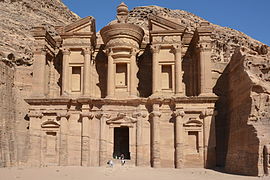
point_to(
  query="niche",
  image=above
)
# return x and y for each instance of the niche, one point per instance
(166, 77)
(121, 75)
(76, 79)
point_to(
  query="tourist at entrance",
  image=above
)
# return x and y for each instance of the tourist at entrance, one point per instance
(122, 159)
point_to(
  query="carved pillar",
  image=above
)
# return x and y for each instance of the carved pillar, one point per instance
(204, 46)
(86, 116)
(179, 141)
(155, 136)
(139, 137)
(133, 74)
(110, 75)
(178, 70)
(155, 69)
(65, 72)
(103, 138)
(86, 72)
(209, 140)
(63, 154)
(34, 159)
(39, 72)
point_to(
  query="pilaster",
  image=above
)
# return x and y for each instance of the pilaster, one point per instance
(34, 159)
(64, 131)
(177, 49)
(110, 75)
(39, 72)
(86, 116)
(155, 49)
(179, 141)
(65, 72)
(155, 136)
(133, 73)
(103, 138)
(86, 72)
(140, 116)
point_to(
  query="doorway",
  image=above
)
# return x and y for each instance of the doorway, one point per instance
(121, 142)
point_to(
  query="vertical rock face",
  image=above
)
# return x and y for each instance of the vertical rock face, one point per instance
(7, 116)
(17, 18)
(241, 81)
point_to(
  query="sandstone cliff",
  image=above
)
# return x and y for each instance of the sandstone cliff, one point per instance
(241, 78)
(18, 17)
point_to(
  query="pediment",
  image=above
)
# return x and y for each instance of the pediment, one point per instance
(193, 123)
(122, 119)
(161, 24)
(50, 124)
(82, 26)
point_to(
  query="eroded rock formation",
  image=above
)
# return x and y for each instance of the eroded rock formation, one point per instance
(240, 67)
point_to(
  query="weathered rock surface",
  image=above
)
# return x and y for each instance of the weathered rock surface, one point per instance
(18, 17)
(242, 80)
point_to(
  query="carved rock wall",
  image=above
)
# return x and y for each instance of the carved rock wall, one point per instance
(7, 116)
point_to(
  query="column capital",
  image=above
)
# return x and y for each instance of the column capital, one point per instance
(35, 114)
(65, 51)
(179, 113)
(86, 51)
(176, 48)
(155, 114)
(134, 51)
(103, 114)
(108, 51)
(208, 112)
(139, 114)
(87, 114)
(155, 48)
(204, 46)
(63, 114)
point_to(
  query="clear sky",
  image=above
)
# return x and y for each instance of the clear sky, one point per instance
(249, 16)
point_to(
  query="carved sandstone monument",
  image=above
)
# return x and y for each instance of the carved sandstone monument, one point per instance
(164, 91)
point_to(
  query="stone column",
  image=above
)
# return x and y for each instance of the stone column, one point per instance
(204, 46)
(178, 70)
(133, 74)
(179, 141)
(86, 116)
(65, 72)
(63, 154)
(39, 72)
(103, 138)
(110, 76)
(86, 72)
(34, 158)
(155, 136)
(209, 138)
(155, 69)
(139, 137)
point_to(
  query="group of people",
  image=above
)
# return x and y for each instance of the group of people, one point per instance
(122, 158)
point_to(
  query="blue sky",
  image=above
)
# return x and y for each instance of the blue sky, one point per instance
(249, 16)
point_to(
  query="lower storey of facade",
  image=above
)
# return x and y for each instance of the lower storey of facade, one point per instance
(169, 133)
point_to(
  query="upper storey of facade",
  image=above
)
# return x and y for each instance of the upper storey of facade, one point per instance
(120, 62)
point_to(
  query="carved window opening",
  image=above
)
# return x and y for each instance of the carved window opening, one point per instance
(166, 77)
(51, 143)
(193, 141)
(121, 75)
(76, 79)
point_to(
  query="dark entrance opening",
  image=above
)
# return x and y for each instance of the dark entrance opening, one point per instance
(121, 142)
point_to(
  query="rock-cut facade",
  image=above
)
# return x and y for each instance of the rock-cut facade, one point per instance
(101, 96)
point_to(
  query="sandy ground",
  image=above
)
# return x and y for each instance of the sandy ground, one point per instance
(115, 173)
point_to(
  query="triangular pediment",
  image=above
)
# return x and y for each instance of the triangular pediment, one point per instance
(158, 23)
(50, 124)
(82, 26)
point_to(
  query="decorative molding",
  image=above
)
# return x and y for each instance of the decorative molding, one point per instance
(35, 114)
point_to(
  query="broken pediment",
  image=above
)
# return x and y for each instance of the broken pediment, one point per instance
(161, 24)
(121, 120)
(85, 26)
